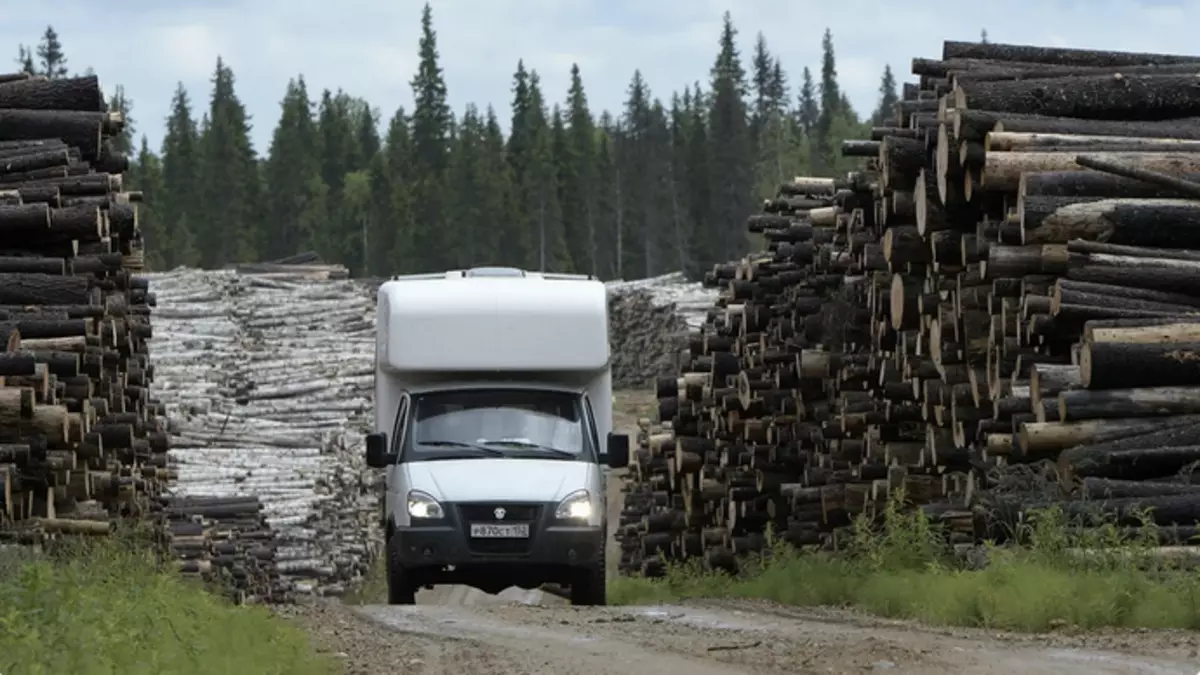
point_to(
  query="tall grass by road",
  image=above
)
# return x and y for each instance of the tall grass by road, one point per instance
(105, 607)
(1060, 579)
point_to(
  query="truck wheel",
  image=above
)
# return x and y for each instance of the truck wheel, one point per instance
(401, 591)
(590, 586)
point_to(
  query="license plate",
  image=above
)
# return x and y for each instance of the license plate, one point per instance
(489, 531)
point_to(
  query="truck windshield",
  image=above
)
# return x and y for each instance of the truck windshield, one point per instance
(497, 423)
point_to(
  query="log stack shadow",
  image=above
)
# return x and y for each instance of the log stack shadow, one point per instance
(998, 313)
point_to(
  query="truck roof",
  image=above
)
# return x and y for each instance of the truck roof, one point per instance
(492, 319)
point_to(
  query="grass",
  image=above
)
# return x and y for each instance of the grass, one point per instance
(905, 571)
(104, 606)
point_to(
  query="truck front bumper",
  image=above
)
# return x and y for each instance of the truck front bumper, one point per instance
(448, 542)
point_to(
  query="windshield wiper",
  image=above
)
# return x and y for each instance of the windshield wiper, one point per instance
(461, 444)
(535, 446)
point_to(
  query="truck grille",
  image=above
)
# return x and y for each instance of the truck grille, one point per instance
(486, 513)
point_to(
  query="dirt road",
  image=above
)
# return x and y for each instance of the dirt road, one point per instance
(495, 637)
(462, 631)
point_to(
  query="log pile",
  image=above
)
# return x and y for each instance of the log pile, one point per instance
(83, 443)
(998, 313)
(268, 380)
(649, 322)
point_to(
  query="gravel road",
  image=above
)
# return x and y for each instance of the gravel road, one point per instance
(462, 631)
(496, 637)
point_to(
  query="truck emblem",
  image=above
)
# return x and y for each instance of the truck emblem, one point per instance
(499, 513)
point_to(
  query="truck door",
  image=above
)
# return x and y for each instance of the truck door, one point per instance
(395, 484)
(601, 482)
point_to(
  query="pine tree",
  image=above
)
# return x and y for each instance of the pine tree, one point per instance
(808, 111)
(52, 60)
(431, 125)
(888, 97)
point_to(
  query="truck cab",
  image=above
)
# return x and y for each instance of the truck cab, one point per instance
(493, 422)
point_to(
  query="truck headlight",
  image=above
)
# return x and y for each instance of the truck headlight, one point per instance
(424, 507)
(577, 506)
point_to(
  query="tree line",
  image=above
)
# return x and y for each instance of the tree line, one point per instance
(664, 184)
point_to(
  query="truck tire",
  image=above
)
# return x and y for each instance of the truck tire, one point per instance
(401, 591)
(590, 586)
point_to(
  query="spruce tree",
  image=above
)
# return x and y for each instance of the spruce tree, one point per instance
(229, 204)
(540, 188)
(25, 60)
(513, 243)
(120, 103)
(888, 97)
(578, 175)
(431, 124)
(292, 162)
(51, 59)
(146, 176)
(732, 174)
(830, 107)
(179, 204)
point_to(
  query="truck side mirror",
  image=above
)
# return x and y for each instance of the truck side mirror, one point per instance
(618, 450)
(378, 456)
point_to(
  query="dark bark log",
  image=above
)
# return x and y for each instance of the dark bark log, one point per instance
(1085, 404)
(1070, 288)
(1108, 488)
(900, 159)
(1089, 184)
(1178, 276)
(996, 51)
(1171, 223)
(1085, 246)
(34, 160)
(76, 128)
(44, 289)
(71, 93)
(32, 218)
(1113, 365)
(1185, 128)
(1019, 261)
(856, 148)
(998, 70)
(1104, 97)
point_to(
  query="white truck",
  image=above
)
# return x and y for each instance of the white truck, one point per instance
(493, 421)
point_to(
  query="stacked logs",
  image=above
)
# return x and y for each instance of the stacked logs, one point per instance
(1000, 312)
(81, 439)
(82, 443)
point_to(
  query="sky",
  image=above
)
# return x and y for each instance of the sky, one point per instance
(369, 47)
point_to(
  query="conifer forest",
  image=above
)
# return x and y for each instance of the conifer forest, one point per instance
(544, 182)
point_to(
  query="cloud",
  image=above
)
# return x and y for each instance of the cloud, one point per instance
(369, 47)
